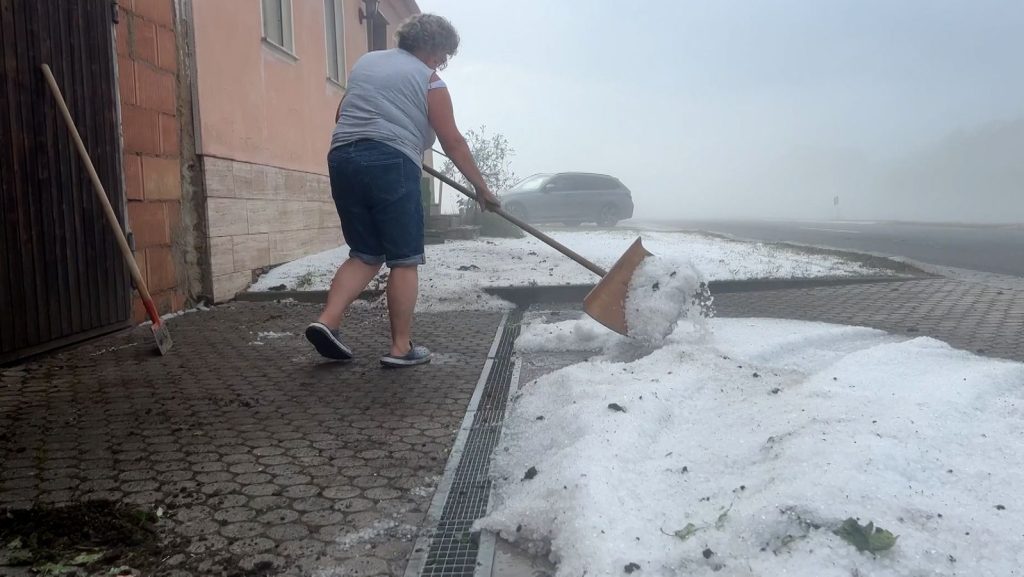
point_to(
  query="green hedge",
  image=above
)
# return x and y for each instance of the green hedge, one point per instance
(493, 225)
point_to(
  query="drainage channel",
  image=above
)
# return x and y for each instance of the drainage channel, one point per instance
(462, 498)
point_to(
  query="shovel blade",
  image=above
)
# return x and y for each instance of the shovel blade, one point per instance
(606, 303)
(162, 337)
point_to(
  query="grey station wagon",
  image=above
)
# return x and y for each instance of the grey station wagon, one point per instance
(571, 198)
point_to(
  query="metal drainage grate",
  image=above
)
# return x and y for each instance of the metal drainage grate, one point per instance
(452, 550)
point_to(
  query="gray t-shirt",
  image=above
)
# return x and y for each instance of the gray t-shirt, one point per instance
(386, 101)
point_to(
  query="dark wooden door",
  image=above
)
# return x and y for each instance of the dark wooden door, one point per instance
(61, 276)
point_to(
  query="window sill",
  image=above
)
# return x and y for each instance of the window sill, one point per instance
(280, 50)
(335, 83)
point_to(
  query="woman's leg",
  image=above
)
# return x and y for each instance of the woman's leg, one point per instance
(348, 188)
(403, 285)
(351, 279)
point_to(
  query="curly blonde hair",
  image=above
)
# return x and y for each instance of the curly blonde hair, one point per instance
(428, 33)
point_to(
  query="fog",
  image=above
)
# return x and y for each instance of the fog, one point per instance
(909, 109)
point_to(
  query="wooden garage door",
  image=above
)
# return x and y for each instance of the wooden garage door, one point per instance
(61, 276)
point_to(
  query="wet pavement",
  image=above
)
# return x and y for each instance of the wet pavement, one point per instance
(257, 455)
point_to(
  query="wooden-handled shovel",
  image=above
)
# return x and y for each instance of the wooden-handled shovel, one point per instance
(160, 332)
(606, 302)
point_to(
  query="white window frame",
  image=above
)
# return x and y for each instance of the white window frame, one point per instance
(287, 43)
(339, 76)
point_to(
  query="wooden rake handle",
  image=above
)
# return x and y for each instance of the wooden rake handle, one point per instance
(522, 224)
(101, 195)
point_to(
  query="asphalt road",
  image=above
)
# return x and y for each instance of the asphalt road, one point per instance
(989, 249)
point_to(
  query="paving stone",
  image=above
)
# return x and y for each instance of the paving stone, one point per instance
(300, 548)
(364, 566)
(55, 497)
(64, 473)
(285, 469)
(31, 482)
(323, 517)
(234, 514)
(238, 444)
(206, 467)
(361, 471)
(196, 528)
(278, 516)
(187, 498)
(174, 561)
(144, 497)
(193, 513)
(353, 505)
(136, 486)
(365, 519)
(381, 493)
(222, 488)
(214, 477)
(245, 468)
(102, 496)
(261, 490)
(321, 471)
(394, 550)
(300, 491)
(58, 484)
(174, 476)
(287, 531)
(263, 562)
(331, 534)
(395, 472)
(266, 503)
(206, 544)
(242, 529)
(251, 545)
(312, 504)
(369, 482)
(268, 451)
(286, 480)
(253, 478)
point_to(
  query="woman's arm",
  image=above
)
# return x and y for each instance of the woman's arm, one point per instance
(441, 115)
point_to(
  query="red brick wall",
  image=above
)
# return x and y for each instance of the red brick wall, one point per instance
(148, 69)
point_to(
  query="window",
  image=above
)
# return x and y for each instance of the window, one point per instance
(530, 184)
(378, 32)
(277, 24)
(334, 26)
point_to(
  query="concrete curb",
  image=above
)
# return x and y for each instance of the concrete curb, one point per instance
(527, 295)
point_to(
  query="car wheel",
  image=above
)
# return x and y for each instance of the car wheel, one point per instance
(608, 216)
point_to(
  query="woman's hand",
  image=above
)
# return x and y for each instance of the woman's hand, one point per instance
(487, 200)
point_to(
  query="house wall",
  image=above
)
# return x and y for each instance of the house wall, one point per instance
(148, 87)
(264, 123)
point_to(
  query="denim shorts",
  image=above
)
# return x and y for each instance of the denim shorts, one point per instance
(376, 189)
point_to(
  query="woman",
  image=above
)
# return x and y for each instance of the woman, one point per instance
(394, 105)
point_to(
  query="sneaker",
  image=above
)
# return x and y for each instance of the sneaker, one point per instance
(327, 342)
(415, 356)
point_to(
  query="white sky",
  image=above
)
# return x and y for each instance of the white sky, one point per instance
(741, 108)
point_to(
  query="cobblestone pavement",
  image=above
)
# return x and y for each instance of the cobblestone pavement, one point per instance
(970, 316)
(259, 454)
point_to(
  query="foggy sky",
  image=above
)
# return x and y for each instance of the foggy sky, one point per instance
(906, 109)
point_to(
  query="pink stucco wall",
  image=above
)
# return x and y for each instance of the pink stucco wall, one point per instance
(260, 106)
